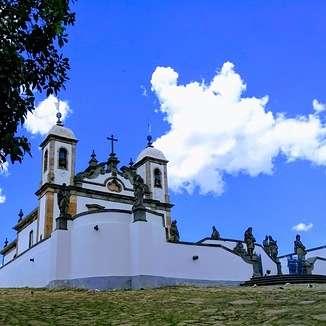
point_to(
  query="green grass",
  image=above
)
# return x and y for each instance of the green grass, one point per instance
(293, 305)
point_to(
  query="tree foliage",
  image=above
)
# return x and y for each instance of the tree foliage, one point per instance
(31, 35)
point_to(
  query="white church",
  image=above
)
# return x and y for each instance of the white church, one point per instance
(112, 228)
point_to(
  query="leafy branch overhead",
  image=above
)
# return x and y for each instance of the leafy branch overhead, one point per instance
(31, 35)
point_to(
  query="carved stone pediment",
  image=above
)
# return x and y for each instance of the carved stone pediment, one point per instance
(114, 185)
(91, 173)
(94, 207)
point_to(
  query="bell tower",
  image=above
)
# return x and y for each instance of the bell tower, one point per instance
(58, 167)
(151, 165)
(58, 155)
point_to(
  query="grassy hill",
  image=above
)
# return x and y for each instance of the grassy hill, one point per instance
(273, 305)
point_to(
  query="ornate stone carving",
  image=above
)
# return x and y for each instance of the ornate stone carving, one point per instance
(215, 234)
(250, 241)
(174, 232)
(299, 248)
(239, 249)
(140, 188)
(94, 207)
(266, 246)
(139, 191)
(91, 172)
(273, 248)
(64, 200)
(114, 186)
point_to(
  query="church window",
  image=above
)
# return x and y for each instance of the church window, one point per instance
(45, 161)
(63, 158)
(30, 244)
(157, 178)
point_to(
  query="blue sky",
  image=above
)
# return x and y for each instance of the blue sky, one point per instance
(234, 92)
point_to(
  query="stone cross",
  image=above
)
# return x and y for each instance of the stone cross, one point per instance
(112, 142)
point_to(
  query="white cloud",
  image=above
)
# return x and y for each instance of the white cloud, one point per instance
(2, 198)
(318, 107)
(302, 227)
(4, 169)
(44, 115)
(4, 172)
(215, 130)
(145, 93)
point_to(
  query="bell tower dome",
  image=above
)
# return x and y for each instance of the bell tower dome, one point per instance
(151, 165)
(58, 167)
(58, 155)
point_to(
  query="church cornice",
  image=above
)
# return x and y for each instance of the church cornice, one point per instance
(9, 247)
(106, 196)
(125, 199)
(29, 219)
(58, 138)
(46, 187)
(151, 160)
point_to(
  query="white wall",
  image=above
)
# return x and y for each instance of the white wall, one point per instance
(82, 201)
(267, 262)
(152, 255)
(9, 256)
(316, 253)
(104, 252)
(120, 248)
(23, 243)
(22, 272)
(319, 266)
(100, 184)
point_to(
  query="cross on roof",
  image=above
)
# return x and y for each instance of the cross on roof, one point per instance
(58, 115)
(112, 142)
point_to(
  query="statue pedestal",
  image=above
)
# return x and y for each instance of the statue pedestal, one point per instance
(279, 267)
(139, 214)
(62, 222)
(256, 264)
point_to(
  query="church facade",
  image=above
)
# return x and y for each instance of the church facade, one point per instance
(111, 228)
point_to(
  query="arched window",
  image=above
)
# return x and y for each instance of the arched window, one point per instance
(45, 166)
(63, 158)
(157, 178)
(30, 241)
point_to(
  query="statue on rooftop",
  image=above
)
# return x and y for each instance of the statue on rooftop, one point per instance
(266, 246)
(299, 248)
(215, 234)
(64, 200)
(273, 248)
(239, 249)
(139, 190)
(250, 241)
(174, 232)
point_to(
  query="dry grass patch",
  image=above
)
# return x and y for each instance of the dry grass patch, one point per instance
(293, 305)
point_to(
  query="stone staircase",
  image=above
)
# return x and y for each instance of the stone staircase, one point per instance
(283, 279)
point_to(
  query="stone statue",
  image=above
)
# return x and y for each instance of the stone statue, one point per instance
(250, 241)
(174, 233)
(139, 190)
(299, 248)
(273, 248)
(266, 246)
(239, 249)
(157, 178)
(64, 200)
(215, 234)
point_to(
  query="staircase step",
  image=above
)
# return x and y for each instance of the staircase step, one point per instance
(287, 278)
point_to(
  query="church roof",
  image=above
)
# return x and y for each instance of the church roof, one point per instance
(59, 131)
(151, 152)
(62, 132)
